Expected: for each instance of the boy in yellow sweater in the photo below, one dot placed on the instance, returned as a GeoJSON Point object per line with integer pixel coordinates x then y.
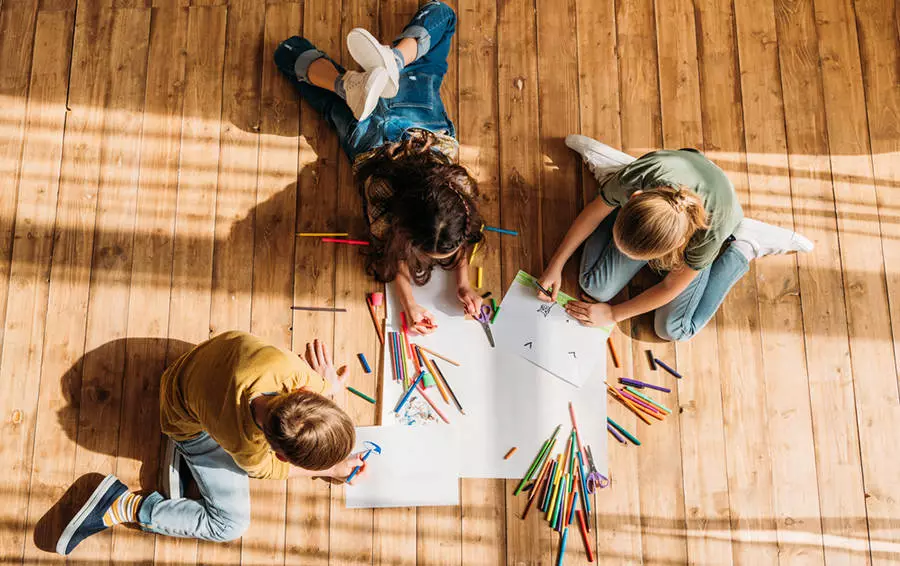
{"type": "Point", "coordinates": [234, 408]}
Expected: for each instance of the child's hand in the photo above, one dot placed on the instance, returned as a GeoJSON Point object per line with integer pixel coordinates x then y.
{"type": "Point", "coordinates": [319, 358]}
{"type": "Point", "coordinates": [471, 300]}
{"type": "Point", "coordinates": [420, 320]}
{"type": "Point", "coordinates": [345, 468]}
{"type": "Point", "coordinates": [598, 314]}
{"type": "Point", "coordinates": [551, 280]}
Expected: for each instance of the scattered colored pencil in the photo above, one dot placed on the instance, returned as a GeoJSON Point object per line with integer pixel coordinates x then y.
{"type": "Point", "coordinates": [615, 433]}
{"type": "Point", "coordinates": [612, 352]}
{"type": "Point", "coordinates": [349, 242]}
{"type": "Point", "coordinates": [642, 384]}
{"type": "Point", "coordinates": [562, 547]}
{"type": "Point", "coordinates": [501, 231]}
{"type": "Point", "coordinates": [359, 393]}
{"type": "Point", "coordinates": [364, 362]}
{"type": "Point", "coordinates": [494, 316]}
{"type": "Point", "coordinates": [440, 375]}
{"type": "Point", "coordinates": [479, 277]}
{"type": "Point", "coordinates": [612, 391]}
{"type": "Point", "coordinates": [378, 329]}
{"type": "Point", "coordinates": [584, 535]}
{"type": "Point", "coordinates": [624, 432]}
{"type": "Point", "coordinates": [435, 407]}
{"type": "Point", "coordinates": [534, 464]}
{"type": "Point", "coordinates": [536, 490]}
{"type": "Point", "coordinates": [656, 404]}
{"type": "Point", "coordinates": [409, 392]}
{"type": "Point", "coordinates": [319, 309]}
{"type": "Point", "coordinates": [435, 354]}
{"type": "Point", "coordinates": [511, 452]}
{"type": "Point", "coordinates": [434, 374]}
{"type": "Point", "coordinates": [665, 366]}
{"type": "Point", "coordinates": [575, 427]}
{"type": "Point", "coordinates": [485, 295]}
{"type": "Point", "coordinates": [643, 405]}
{"type": "Point", "coordinates": [322, 234]}
{"type": "Point", "coordinates": [651, 359]}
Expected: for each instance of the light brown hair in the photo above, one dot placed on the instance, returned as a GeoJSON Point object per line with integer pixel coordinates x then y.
{"type": "Point", "coordinates": [657, 224]}
{"type": "Point", "coordinates": [309, 430]}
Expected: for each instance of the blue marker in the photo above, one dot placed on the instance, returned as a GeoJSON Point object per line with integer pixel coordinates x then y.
{"type": "Point", "coordinates": [364, 362]}
{"type": "Point", "coordinates": [501, 231]}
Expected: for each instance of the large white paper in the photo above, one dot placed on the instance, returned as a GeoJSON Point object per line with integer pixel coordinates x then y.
{"type": "Point", "coordinates": [508, 401]}
{"type": "Point", "coordinates": [545, 335]}
{"type": "Point", "coordinates": [418, 466]}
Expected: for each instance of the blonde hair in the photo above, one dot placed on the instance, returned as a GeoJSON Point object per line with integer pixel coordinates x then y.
{"type": "Point", "coordinates": [657, 224]}
{"type": "Point", "coordinates": [309, 430]}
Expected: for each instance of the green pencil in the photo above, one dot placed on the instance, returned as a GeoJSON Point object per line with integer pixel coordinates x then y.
{"type": "Point", "coordinates": [540, 456]}
{"type": "Point", "coordinates": [496, 310]}
{"type": "Point", "coordinates": [662, 407]}
{"type": "Point", "coordinates": [621, 429]}
{"type": "Point", "coordinates": [361, 394]}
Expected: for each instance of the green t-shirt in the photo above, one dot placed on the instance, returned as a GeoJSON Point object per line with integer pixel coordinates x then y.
{"type": "Point", "coordinates": [690, 169]}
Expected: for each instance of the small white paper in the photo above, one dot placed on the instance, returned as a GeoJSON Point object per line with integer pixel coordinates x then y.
{"type": "Point", "coordinates": [544, 334]}
{"type": "Point", "coordinates": [417, 466]}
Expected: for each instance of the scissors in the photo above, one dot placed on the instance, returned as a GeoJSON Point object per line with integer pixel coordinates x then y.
{"type": "Point", "coordinates": [595, 479]}
{"type": "Point", "coordinates": [484, 317]}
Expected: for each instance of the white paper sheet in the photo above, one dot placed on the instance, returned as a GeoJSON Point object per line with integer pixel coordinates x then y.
{"type": "Point", "coordinates": [418, 466]}
{"type": "Point", "coordinates": [508, 401]}
{"type": "Point", "coordinates": [545, 335]}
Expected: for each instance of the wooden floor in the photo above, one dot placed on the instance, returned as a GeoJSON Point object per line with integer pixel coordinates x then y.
{"type": "Point", "coordinates": [155, 167]}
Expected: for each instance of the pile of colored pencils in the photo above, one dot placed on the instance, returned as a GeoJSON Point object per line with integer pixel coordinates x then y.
{"type": "Point", "coordinates": [560, 488]}
{"type": "Point", "coordinates": [406, 356]}
{"type": "Point", "coordinates": [639, 403]}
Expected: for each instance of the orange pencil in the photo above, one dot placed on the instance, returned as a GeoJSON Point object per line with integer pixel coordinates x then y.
{"type": "Point", "coordinates": [378, 330]}
{"type": "Point", "coordinates": [512, 451]}
{"type": "Point", "coordinates": [536, 489]}
{"type": "Point", "coordinates": [434, 374]}
{"type": "Point", "coordinates": [612, 351]}
{"type": "Point", "coordinates": [627, 403]}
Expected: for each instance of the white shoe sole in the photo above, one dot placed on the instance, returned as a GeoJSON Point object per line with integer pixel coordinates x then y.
{"type": "Point", "coordinates": [369, 53]}
{"type": "Point", "coordinates": [82, 514]}
{"type": "Point", "coordinates": [171, 472]}
{"type": "Point", "coordinates": [583, 144]}
{"type": "Point", "coordinates": [374, 86]}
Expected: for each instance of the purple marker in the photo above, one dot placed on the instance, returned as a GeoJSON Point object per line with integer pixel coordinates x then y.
{"type": "Point", "coordinates": [665, 366]}
{"type": "Point", "coordinates": [642, 384]}
{"type": "Point", "coordinates": [615, 433]}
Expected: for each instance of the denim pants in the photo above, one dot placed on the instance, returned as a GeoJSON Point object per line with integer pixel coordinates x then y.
{"type": "Point", "coordinates": [221, 515]}
{"type": "Point", "coordinates": [605, 271]}
{"type": "Point", "coordinates": [418, 103]}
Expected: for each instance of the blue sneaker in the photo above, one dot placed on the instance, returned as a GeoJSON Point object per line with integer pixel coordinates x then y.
{"type": "Point", "coordinates": [89, 519]}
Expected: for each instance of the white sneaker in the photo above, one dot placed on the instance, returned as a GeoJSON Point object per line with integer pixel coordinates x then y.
{"type": "Point", "coordinates": [363, 91]}
{"type": "Point", "coordinates": [600, 158]}
{"type": "Point", "coordinates": [172, 486]}
{"type": "Point", "coordinates": [766, 239]}
{"type": "Point", "coordinates": [370, 54]}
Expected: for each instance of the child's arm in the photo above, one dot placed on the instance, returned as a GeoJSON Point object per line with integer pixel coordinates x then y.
{"type": "Point", "coordinates": [419, 318]}
{"type": "Point", "coordinates": [339, 470]}
{"type": "Point", "coordinates": [471, 300]}
{"type": "Point", "coordinates": [664, 292]}
{"type": "Point", "coordinates": [591, 217]}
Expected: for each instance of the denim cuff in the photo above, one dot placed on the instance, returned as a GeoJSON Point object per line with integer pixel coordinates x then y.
{"type": "Point", "coordinates": [301, 65]}
{"type": "Point", "coordinates": [146, 509]}
{"type": "Point", "coordinates": [422, 37]}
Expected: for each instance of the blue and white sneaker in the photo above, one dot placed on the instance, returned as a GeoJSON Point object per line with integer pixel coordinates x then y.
{"type": "Point", "coordinates": [89, 519]}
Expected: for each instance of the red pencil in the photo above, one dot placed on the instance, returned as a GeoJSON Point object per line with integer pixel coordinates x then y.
{"type": "Point", "coordinates": [342, 241]}
{"type": "Point", "coordinates": [584, 535]}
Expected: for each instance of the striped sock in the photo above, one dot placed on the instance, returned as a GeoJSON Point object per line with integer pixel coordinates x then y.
{"type": "Point", "coordinates": [123, 510]}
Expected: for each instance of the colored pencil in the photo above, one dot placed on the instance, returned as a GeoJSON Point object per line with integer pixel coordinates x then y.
{"type": "Point", "coordinates": [435, 407]}
{"type": "Point", "coordinates": [646, 407]}
{"type": "Point", "coordinates": [584, 535]}
{"type": "Point", "coordinates": [364, 362]}
{"type": "Point", "coordinates": [532, 467]}
{"type": "Point", "coordinates": [493, 304]}
{"type": "Point", "coordinates": [548, 488]}
{"type": "Point", "coordinates": [575, 427]}
{"type": "Point", "coordinates": [510, 453]}
{"type": "Point", "coordinates": [542, 290]}
{"type": "Point", "coordinates": [485, 295]}
{"type": "Point", "coordinates": [319, 309]}
{"type": "Point", "coordinates": [440, 374]}
{"type": "Point", "coordinates": [651, 401]}
{"type": "Point", "coordinates": [409, 392]}
{"type": "Point", "coordinates": [571, 514]}
{"type": "Point", "coordinates": [562, 547]}
{"type": "Point", "coordinates": [350, 242]}
{"type": "Point", "coordinates": [583, 481]}
{"type": "Point", "coordinates": [494, 316]}
{"type": "Point", "coordinates": [501, 231]}
{"type": "Point", "coordinates": [621, 429]}
{"type": "Point", "coordinates": [612, 391]}
{"type": "Point", "coordinates": [665, 366]}
{"type": "Point", "coordinates": [378, 329]}
{"type": "Point", "coordinates": [651, 359]}
{"type": "Point", "coordinates": [479, 277]}
{"type": "Point", "coordinates": [615, 433]}
{"type": "Point", "coordinates": [612, 352]}
{"type": "Point", "coordinates": [536, 490]}
{"type": "Point", "coordinates": [434, 375]}
{"type": "Point", "coordinates": [322, 234]}
{"type": "Point", "coordinates": [557, 502]}
{"type": "Point", "coordinates": [361, 394]}
{"type": "Point", "coordinates": [643, 384]}
{"type": "Point", "coordinates": [436, 355]}
{"type": "Point", "coordinates": [393, 351]}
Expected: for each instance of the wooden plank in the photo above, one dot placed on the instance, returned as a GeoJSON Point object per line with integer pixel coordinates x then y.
{"type": "Point", "coordinates": [17, 28]}
{"type": "Point", "coordinates": [351, 530]}
{"type": "Point", "coordinates": [238, 155]}
{"type": "Point", "coordinates": [192, 253]}
{"type": "Point", "coordinates": [483, 502]}
{"type": "Point", "coordinates": [309, 501]}
{"type": "Point", "coordinates": [865, 289]}
{"type": "Point", "coordinates": [24, 326]}
{"type": "Point", "coordinates": [700, 396]}
{"type": "Point", "coordinates": [450, 85]}
{"type": "Point", "coordinates": [520, 206]}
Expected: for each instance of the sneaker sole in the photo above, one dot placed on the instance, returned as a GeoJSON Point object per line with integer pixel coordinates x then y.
{"type": "Point", "coordinates": [171, 473]}
{"type": "Point", "coordinates": [366, 50]}
{"type": "Point", "coordinates": [82, 514]}
{"type": "Point", "coordinates": [374, 88]}
{"type": "Point", "coordinates": [579, 144]}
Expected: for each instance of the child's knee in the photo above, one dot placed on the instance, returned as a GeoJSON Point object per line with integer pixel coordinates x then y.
{"type": "Point", "coordinates": [288, 50]}
{"type": "Point", "coordinates": [599, 289]}
{"type": "Point", "coordinates": [229, 528]}
{"type": "Point", "coordinates": [671, 329]}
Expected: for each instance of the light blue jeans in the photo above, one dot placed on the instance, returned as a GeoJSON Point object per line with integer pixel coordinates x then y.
{"type": "Point", "coordinates": [221, 515]}
{"type": "Point", "coordinates": [605, 271]}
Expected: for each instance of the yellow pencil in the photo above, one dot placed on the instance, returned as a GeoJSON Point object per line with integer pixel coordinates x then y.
{"type": "Point", "coordinates": [322, 234]}
{"type": "Point", "coordinates": [479, 278]}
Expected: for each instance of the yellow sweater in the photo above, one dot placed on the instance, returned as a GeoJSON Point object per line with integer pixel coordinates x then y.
{"type": "Point", "coordinates": [210, 389]}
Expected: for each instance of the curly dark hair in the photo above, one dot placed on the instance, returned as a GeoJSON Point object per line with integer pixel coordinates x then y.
{"type": "Point", "coordinates": [431, 208]}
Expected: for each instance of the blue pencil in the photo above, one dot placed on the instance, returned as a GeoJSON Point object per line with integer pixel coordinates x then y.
{"type": "Point", "coordinates": [409, 392]}
{"type": "Point", "coordinates": [562, 547]}
{"type": "Point", "coordinates": [663, 365]}
{"type": "Point", "coordinates": [501, 231]}
{"type": "Point", "coordinates": [364, 362]}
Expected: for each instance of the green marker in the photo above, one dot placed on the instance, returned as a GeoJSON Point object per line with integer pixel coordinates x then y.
{"type": "Point", "coordinates": [621, 429]}
{"type": "Point", "coordinates": [633, 391]}
{"type": "Point", "coordinates": [361, 394]}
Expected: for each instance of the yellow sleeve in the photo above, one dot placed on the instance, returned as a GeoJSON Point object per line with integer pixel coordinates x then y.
{"type": "Point", "coordinates": [270, 468]}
